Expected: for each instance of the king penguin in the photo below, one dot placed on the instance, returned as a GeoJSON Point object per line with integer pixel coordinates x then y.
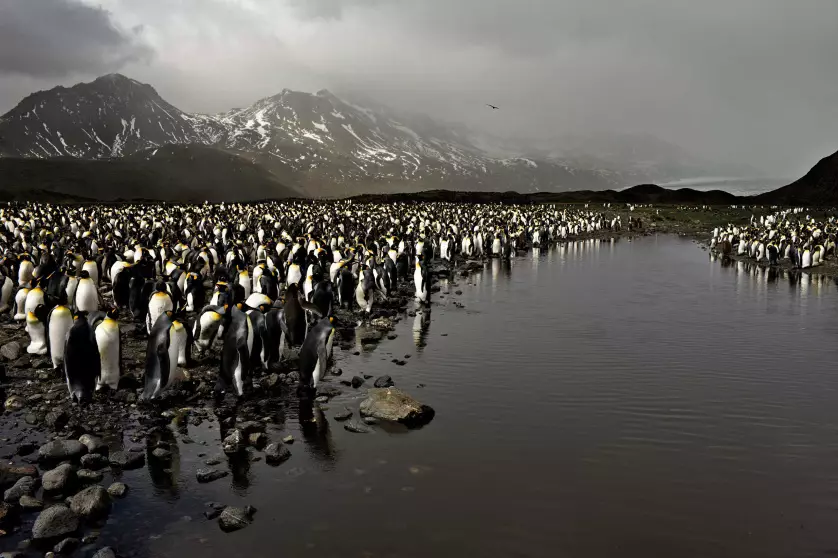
{"type": "Point", "coordinates": [161, 368]}
{"type": "Point", "coordinates": [159, 303]}
{"type": "Point", "coordinates": [87, 294]}
{"type": "Point", "coordinates": [81, 359]}
{"type": "Point", "coordinates": [36, 330]}
{"type": "Point", "coordinates": [236, 351]}
{"type": "Point", "coordinates": [59, 322]}
{"type": "Point", "coordinates": [315, 352]}
{"type": "Point", "coordinates": [106, 332]}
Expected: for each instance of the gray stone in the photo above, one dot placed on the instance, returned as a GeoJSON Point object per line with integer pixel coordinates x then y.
{"type": "Point", "coordinates": [94, 461]}
{"type": "Point", "coordinates": [60, 478]}
{"type": "Point", "coordinates": [30, 503]}
{"type": "Point", "coordinates": [210, 475]}
{"type": "Point", "coordinates": [276, 454]}
{"type": "Point", "coordinates": [10, 351]}
{"type": "Point", "coordinates": [106, 552]}
{"type": "Point", "coordinates": [234, 443]}
{"type": "Point", "coordinates": [118, 490]}
{"type": "Point", "coordinates": [15, 403]}
{"type": "Point", "coordinates": [288, 439]}
{"type": "Point", "coordinates": [56, 521]}
{"type": "Point", "coordinates": [392, 404]}
{"type": "Point", "coordinates": [356, 427]}
{"type": "Point", "coordinates": [341, 416]}
{"type": "Point", "coordinates": [127, 460]}
{"type": "Point", "coordinates": [24, 486]}
{"type": "Point", "coordinates": [60, 450]}
{"type": "Point", "coordinates": [57, 419]}
{"type": "Point", "coordinates": [94, 444]}
{"type": "Point", "coordinates": [233, 519]}
{"type": "Point", "coordinates": [91, 502]}
{"type": "Point", "coordinates": [67, 546]}
{"type": "Point", "coordinates": [161, 453]}
{"type": "Point", "coordinates": [327, 390]}
{"type": "Point", "coordinates": [10, 474]}
{"type": "Point", "coordinates": [322, 399]}
{"type": "Point", "coordinates": [357, 381]}
{"type": "Point", "coordinates": [258, 440]}
{"type": "Point", "coordinates": [383, 382]}
{"type": "Point", "coordinates": [87, 476]}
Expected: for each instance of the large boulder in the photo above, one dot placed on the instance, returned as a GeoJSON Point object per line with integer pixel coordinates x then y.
{"type": "Point", "coordinates": [23, 487]}
{"type": "Point", "coordinates": [10, 351]}
{"type": "Point", "coordinates": [54, 522]}
{"type": "Point", "coordinates": [395, 405]}
{"type": "Point", "coordinates": [91, 502]}
{"type": "Point", "coordinates": [60, 450]}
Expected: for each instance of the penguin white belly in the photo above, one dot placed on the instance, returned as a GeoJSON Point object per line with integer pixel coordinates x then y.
{"type": "Point", "coordinates": [20, 304]}
{"type": "Point", "coordinates": [87, 297]}
{"type": "Point", "coordinates": [6, 294]}
{"type": "Point", "coordinates": [107, 340]}
{"type": "Point", "coordinates": [72, 287]}
{"type": "Point", "coordinates": [256, 299]}
{"type": "Point", "coordinates": [307, 287]}
{"type": "Point", "coordinates": [257, 283]}
{"type": "Point", "coordinates": [37, 336]}
{"type": "Point", "coordinates": [34, 298]}
{"type": "Point", "coordinates": [294, 274]}
{"type": "Point", "coordinates": [214, 299]}
{"type": "Point", "coordinates": [91, 268]}
{"type": "Point", "coordinates": [60, 322]}
{"type": "Point", "coordinates": [190, 305]}
{"type": "Point", "coordinates": [24, 273]}
{"type": "Point", "coordinates": [177, 338]}
{"type": "Point", "coordinates": [807, 259]}
{"type": "Point", "coordinates": [421, 294]}
{"type": "Point", "coordinates": [181, 282]}
{"type": "Point", "coordinates": [159, 303]}
{"type": "Point", "coordinates": [244, 281]}
{"type": "Point", "coordinates": [116, 269]}
{"type": "Point", "coordinates": [361, 299]}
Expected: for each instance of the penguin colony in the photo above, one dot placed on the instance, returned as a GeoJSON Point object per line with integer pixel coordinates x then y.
{"type": "Point", "coordinates": [249, 282]}
{"type": "Point", "coordinates": [785, 237]}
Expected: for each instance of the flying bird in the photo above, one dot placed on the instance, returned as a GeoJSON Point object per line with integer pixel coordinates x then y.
{"type": "Point", "coordinates": [492, 106]}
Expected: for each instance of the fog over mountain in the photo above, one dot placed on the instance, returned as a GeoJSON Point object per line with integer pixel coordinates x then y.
{"type": "Point", "coordinates": [750, 82]}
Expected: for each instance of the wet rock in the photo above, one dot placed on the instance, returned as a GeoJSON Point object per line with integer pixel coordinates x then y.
{"type": "Point", "coordinates": [41, 363]}
{"type": "Point", "coordinates": [346, 382]}
{"type": "Point", "coordinates": [392, 336]}
{"type": "Point", "coordinates": [60, 450]}
{"type": "Point", "coordinates": [30, 503]}
{"type": "Point", "coordinates": [258, 440]}
{"type": "Point", "coordinates": [57, 419]}
{"type": "Point", "coordinates": [234, 443]}
{"type": "Point", "coordinates": [24, 486]}
{"type": "Point", "coordinates": [357, 381]}
{"type": "Point", "coordinates": [341, 416]}
{"type": "Point", "coordinates": [212, 514]}
{"type": "Point", "coordinates": [327, 390]}
{"type": "Point", "coordinates": [213, 461]}
{"type": "Point", "coordinates": [288, 439]}
{"type": "Point", "coordinates": [383, 382]}
{"type": "Point", "coordinates": [33, 418]}
{"type": "Point", "coordinates": [337, 372]}
{"type": "Point", "coordinates": [91, 502]}
{"type": "Point", "coordinates": [127, 460]}
{"type": "Point", "coordinates": [392, 404]}
{"type": "Point", "coordinates": [322, 399]}
{"type": "Point", "coordinates": [10, 351]}
{"type": "Point", "coordinates": [26, 448]}
{"type": "Point", "coordinates": [8, 516]}
{"type": "Point", "coordinates": [67, 546]}
{"type": "Point", "coordinates": [271, 381]}
{"type": "Point", "coordinates": [118, 490]}
{"type": "Point", "coordinates": [276, 454]}
{"type": "Point", "coordinates": [94, 444]}
{"type": "Point", "coordinates": [106, 552]}
{"type": "Point", "coordinates": [10, 474]}
{"type": "Point", "coordinates": [56, 521]}
{"type": "Point", "coordinates": [371, 420]}
{"type": "Point", "coordinates": [94, 461]}
{"type": "Point", "coordinates": [87, 476]}
{"type": "Point", "coordinates": [251, 426]}
{"type": "Point", "coordinates": [161, 453]}
{"type": "Point", "coordinates": [233, 519]}
{"type": "Point", "coordinates": [210, 475]}
{"type": "Point", "coordinates": [356, 427]}
{"type": "Point", "coordinates": [60, 478]}
{"type": "Point", "coordinates": [24, 361]}
{"type": "Point", "coordinates": [458, 292]}
{"type": "Point", "coordinates": [15, 403]}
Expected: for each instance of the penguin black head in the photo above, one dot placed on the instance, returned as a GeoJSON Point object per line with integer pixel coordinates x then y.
{"type": "Point", "coordinates": [112, 313]}
{"type": "Point", "coordinates": [84, 274]}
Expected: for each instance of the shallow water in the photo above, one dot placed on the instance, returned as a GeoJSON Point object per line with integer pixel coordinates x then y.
{"type": "Point", "coordinates": [598, 399]}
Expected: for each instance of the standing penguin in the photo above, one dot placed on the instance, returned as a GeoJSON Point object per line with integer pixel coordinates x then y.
{"type": "Point", "coordinates": [292, 320]}
{"type": "Point", "coordinates": [87, 294]}
{"type": "Point", "coordinates": [6, 288]}
{"type": "Point", "coordinates": [36, 329]}
{"type": "Point", "coordinates": [315, 352]}
{"type": "Point", "coordinates": [421, 278]}
{"type": "Point", "coordinates": [207, 327]}
{"type": "Point", "coordinates": [160, 303]}
{"type": "Point", "coordinates": [346, 288]}
{"type": "Point", "coordinates": [20, 304]}
{"type": "Point", "coordinates": [106, 331]}
{"type": "Point", "coordinates": [59, 322]}
{"type": "Point", "coordinates": [161, 367]}
{"type": "Point", "coordinates": [236, 351]}
{"type": "Point", "coordinates": [81, 359]}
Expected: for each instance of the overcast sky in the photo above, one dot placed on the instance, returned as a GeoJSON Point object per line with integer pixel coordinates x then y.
{"type": "Point", "coordinates": [748, 80]}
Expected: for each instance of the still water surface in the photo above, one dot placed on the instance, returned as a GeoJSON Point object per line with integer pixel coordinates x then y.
{"type": "Point", "coordinates": [627, 398]}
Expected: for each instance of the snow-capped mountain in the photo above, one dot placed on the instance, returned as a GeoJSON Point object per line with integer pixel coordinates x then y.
{"type": "Point", "coordinates": [317, 142]}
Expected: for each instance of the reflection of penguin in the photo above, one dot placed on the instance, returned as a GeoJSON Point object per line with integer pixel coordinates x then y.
{"type": "Point", "coordinates": [81, 359]}
{"type": "Point", "coordinates": [421, 325]}
{"type": "Point", "coordinates": [315, 429]}
{"type": "Point", "coordinates": [161, 368]}
{"type": "Point", "coordinates": [314, 354]}
{"type": "Point", "coordinates": [106, 332]}
{"type": "Point", "coordinates": [207, 326]}
{"type": "Point", "coordinates": [59, 322]}
{"type": "Point", "coordinates": [235, 353]}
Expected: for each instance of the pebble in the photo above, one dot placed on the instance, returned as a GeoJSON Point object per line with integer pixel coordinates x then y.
{"type": "Point", "coordinates": [233, 519]}
{"type": "Point", "coordinates": [118, 490]}
{"type": "Point", "coordinates": [127, 460]}
{"type": "Point", "coordinates": [341, 416]}
{"type": "Point", "coordinates": [356, 427]}
{"type": "Point", "coordinates": [88, 476]}
{"type": "Point", "coordinates": [210, 475]}
{"type": "Point", "coordinates": [30, 503]}
{"type": "Point", "coordinates": [67, 546]}
{"type": "Point", "coordinates": [276, 454]}
{"type": "Point", "coordinates": [288, 439]}
{"type": "Point", "coordinates": [161, 453]}
{"type": "Point", "coordinates": [357, 381]}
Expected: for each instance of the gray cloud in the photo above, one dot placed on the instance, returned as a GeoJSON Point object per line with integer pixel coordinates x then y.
{"type": "Point", "coordinates": [55, 38]}
{"type": "Point", "coordinates": [754, 81]}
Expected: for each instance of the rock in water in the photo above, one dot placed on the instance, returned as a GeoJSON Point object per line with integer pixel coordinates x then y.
{"type": "Point", "coordinates": [94, 461]}
{"type": "Point", "coordinates": [60, 450]}
{"type": "Point", "coordinates": [118, 490]}
{"type": "Point", "coordinates": [384, 382]}
{"type": "Point", "coordinates": [91, 502]}
{"type": "Point", "coordinates": [23, 487]}
{"type": "Point", "coordinates": [356, 427]}
{"type": "Point", "coordinates": [10, 351]}
{"type": "Point", "coordinates": [127, 460]}
{"type": "Point", "coordinates": [56, 521]}
{"type": "Point", "coordinates": [106, 552]}
{"type": "Point", "coordinates": [67, 546]}
{"type": "Point", "coordinates": [258, 440]}
{"type": "Point", "coordinates": [276, 454]}
{"type": "Point", "coordinates": [341, 416]}
{"type": "Point", "coordinates": [10, 474]}
{"type": "Point", "coordinates": [234, 443]}
{"type": "Point", "coordinates": [209, 475]}
{"type": "Point", "coordinates": [356, 381]}
{"type": "Point", "coordinates": [233, 519]}
{"type": "Point", "coordinates": [326, 390]}
{"type": "Point", "coordinates": [30, 503]}
{"type": "Point", "coordinates": [94, 444]}
{"type": "Point", "coordinates": [87, 476]}
{"type": "Point", "coordinates": [60, 478]}
{"type": "Point", "coordinates": [395, 405]}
